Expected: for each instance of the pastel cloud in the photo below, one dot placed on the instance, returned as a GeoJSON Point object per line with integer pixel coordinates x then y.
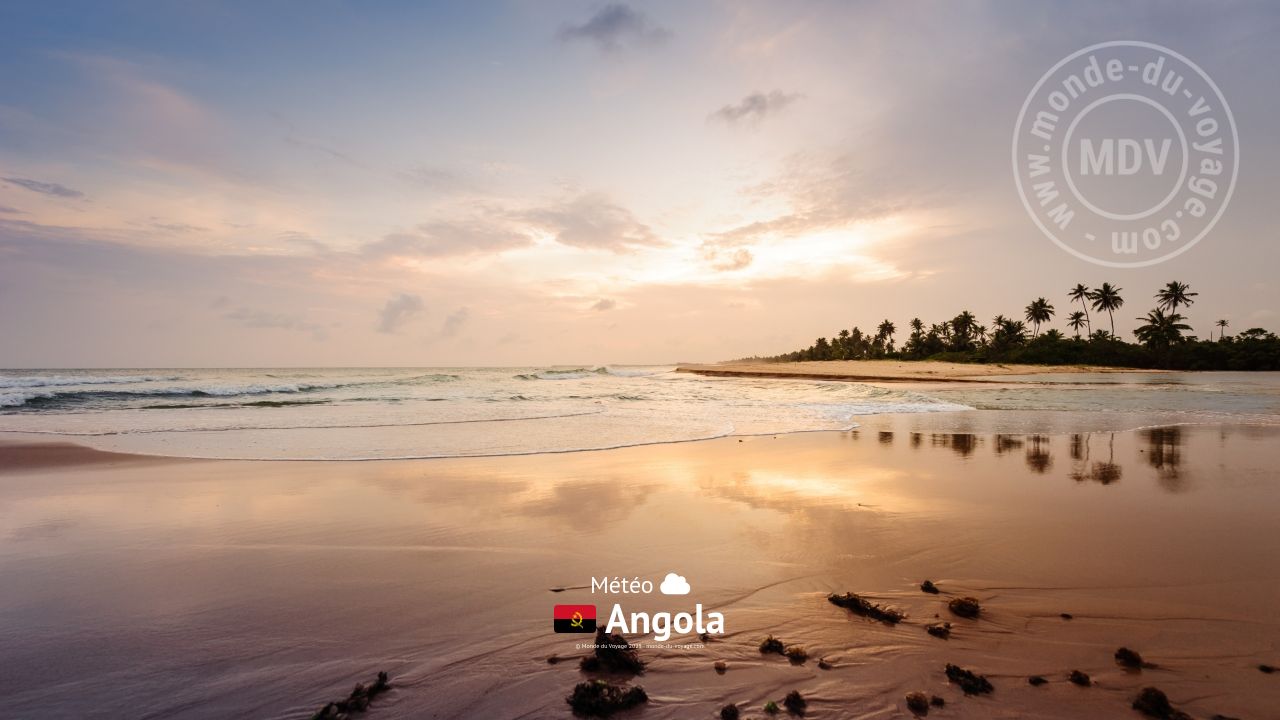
{"type": "Point", "coordinates": [613, 27]}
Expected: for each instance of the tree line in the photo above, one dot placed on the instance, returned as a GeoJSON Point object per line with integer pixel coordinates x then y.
{"type": "Point", "coordinates": [1164, 338]}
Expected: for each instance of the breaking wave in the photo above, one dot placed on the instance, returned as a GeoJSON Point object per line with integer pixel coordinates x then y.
{"type": "Point", "coordinates": [586, 372]}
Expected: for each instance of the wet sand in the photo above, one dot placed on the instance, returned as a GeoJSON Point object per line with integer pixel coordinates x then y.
{"type": "Point", "coordinates": [890, 370]}
{"type": "Point", "coordinates": [200, 589]}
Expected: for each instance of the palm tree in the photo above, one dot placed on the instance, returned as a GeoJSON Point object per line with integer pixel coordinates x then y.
{"type": "Point", "coordinates": [885, 332]}
{"type": "Point", "coordinates": [1039, 311]}
{"type": "Point", "coordinates": [1174, 294]}
{"type": "Point", "coordinates": [963, 326]}
{"type": "Point", "coordinates": [1222, 329]}
{"type": "Point", "coordinates": [1077, 320]}
{"type": "Point", "coordinates": [1008, 332]}
{"type": "Point", "coordinates": [1107, 298]}
{"type": "Point", "coordinates": [1080, 294]}
{"type": "Point", "coordinates": [1160, 330]}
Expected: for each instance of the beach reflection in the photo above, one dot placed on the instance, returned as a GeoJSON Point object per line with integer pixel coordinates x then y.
{"type": "Point", "coordinates": [963, 444]}
{"type": "Point", "coordinates": [323, 567]}
{"type": "Point", "coordinates": [1164, 453]}
{"type": "Point", "coordinates": [1093, 455]}
{"type": "Point", "coordinates": [1038, 457]}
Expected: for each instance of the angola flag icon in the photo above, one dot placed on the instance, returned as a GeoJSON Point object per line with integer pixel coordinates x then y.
{"type": "Point", "coordinates": [575, 618]}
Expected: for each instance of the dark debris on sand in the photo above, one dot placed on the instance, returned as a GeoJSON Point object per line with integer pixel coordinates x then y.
{"type": "Point", "coordinates": [600, 698]}
{"type": "Point", "coordinates": [969, 682]}
{"type": "Point", "coordinates": [929, 587]}
{"type": "Point", "coordinates": [859, 605]}
{"type": "Point", "coordinates": [918, 703]}
{"type": "Point", "coordinates": [773, 645]}
{"type": "Point", "coordinates": [1037, 680]}
{"type": "Point", "coordinates": [1078, 678]}
{"type": "Point", "coordinates": [795, 703]}
{"type": "Point", "coordinates": [965, 607]}
{"type": "Point", "coordinates": [1154, 703]}
{"type": "Point", "coordinates": [357, 702]}
{"type": "Point", "coordinates": [1268, 669]}
{"type": "Point", "coordinates": [729, 712]}
{"type": "Point", "coordinates": [1131, 659]}
{"type": "Point", "coordinates": [939, 629]}
{"type": "Point", "coordinates": [796, 654]}
{"type": "Point", "coordinates": [613, 654]}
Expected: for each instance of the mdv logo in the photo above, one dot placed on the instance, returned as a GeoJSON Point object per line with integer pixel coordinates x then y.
{"type": "Point", "coordinates": [1123, 156]}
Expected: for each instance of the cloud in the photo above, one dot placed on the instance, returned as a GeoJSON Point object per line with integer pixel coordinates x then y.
{"type": "Point", "coordinates": [448, 238]}
{"type": "Point", "coordinates": [755, 107]}
{"type": "Point", "coordinates": [176, 227]}
{"type": "Point", "coordinates": [824, 195]}
{"type": "Point", "coordinates": [45, 188]}
{"type": "Point", "coordinates": [727, 260]}
{"type": "Point", "coordinates": [604, 304]}
{"type": "Point", "coordinates": [593, 222]}
{"type": "Point", "coordinates": [454, 323]}
{"type": "Point", "coordinates": [400, 309]}
{"type": "Point", "coordinates": [255, 318]}
{"type": "Point", "coordinates": [146, 121]}
{"type": "Point", "coordinates": [10, 210]}
{"type": "Point", "coordinates": [613, 27]}
{"type": "Point", "coordinates": [674, 584]}
{"type": "Point", "coordinates": [302, 241]}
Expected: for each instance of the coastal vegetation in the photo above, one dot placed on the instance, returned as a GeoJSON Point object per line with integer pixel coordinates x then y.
{"type": "Point", "coordinates": [1163, 340]}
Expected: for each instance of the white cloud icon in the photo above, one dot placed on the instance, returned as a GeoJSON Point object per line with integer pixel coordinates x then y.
{"type": "Point", "coordinates": [674, 584]}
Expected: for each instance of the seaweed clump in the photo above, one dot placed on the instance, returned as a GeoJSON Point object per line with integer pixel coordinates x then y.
{"type": "Point", "coordinates": [918, 703]}
{"type": "Point", "coordinates": [1154, 703]}
{"type": "Point", "coordinates": [600, 698]}
{"type": "Point", "coordinates": [773, 645]}
{"type": "Point", "coordinates": [1131, 659]}
{"type": "Point", "coordinates": [729, 712]}
{"type": "Point", "coordinates": [613, 654]}
{"type": "Point", "coordinates": [969, 682]}
{"type": "Point", "coordinates": [1037, 680]}
{"type": "Point", "coordinates": [1078, 678]}
{"type": "Point", "coordinates": [795, 703]}
{"type": "Point", "coordinates": [929, 587]}
{"type": "Point", "coordinates": [357, 701]}
{"type": "Point", "coordinates": [859, 605]}
{"type": "Point", "coordinates": [965, 607]}
{"type": "Point", "coordinates": [939, 629]}
{"type": "Point", "coordinates": [796, 654]}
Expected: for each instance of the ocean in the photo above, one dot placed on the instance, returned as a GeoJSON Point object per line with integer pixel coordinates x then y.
{"type": "Point", "coordinates": [375, 413]}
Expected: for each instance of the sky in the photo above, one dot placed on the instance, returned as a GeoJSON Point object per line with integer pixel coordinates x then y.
{"type": "Point", "coordinates": [247, 184]}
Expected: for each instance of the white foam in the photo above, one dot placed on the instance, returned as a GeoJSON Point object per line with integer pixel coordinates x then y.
{"type": "Point", "coordinates": [65, 380]}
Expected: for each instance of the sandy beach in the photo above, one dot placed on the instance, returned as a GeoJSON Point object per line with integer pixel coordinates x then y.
{"type": "Point", "coordinates": [891, 370]}
{"type": "Point", "coordinates": [183, 589]}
